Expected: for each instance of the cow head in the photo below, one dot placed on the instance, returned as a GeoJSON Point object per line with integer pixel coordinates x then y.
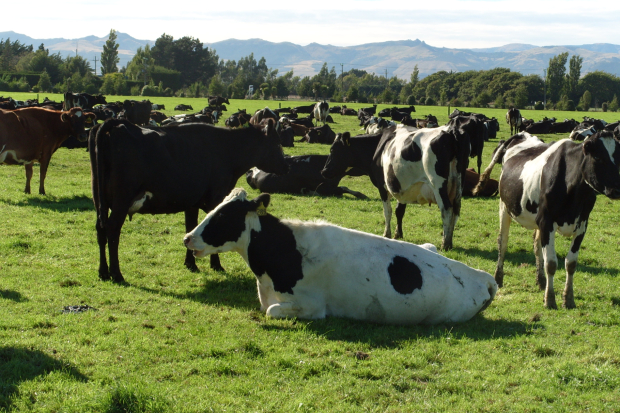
{"type": "Point", "coordinates": [600, 165]}
{"type": "Point", "coordinates": [271, 158]}
{"type": "Point", "coordinates": [77, 119]}
{"type": "Point", "coordinates": [229, 225]}
{"type": "Point", "coordinates": [340, 157]}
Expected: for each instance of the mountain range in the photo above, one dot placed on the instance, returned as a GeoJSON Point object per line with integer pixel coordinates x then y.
{"type": "Point", "coordinates": [394, 58]}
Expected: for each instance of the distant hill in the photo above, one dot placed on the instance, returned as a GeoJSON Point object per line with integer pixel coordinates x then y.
{"type": "Point", "coordinates": [397, 57]}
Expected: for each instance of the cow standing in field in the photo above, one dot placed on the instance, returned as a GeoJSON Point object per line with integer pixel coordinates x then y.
{"type": "Point", "coordinates": [549, 188]}
{"type": "Point", "coordinates": [513, 118]}
{"type": "Point", "coordinates": [167, 170]}
{"type": "Point", "coordinates": [33, 134]}
{"type": "Point", "coordinates": [415, 166]}
{"type": "Point", "coordinates": [321, 110]}
{"type": "Point", "coordinates": [314, 269]}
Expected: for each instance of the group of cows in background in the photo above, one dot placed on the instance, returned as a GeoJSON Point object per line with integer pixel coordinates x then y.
{"type": "Point", "coordinates": [314, 269]}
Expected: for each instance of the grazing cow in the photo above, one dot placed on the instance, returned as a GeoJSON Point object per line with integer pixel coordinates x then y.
{"type": "Point", "coordinates": [323, 134]}
{"type": "Point", "coordinates": [183, 107]}
{"type": "Point", "coordinates": [315, 269]}
{"type": "Point", "coordinates": [413, 165]}
{"type": "Point", "coordinates": [549, 188]}
{"type": "Point", "coordinates": [166, 170]}
{"type": "Point", "coordinates": [31, 135]}
{"type": "Point", "coordinates": [138, 113]}
{"type": "Point", "coordinates": [477, 131]}
{"type": "Point", "coordinates": [303, 109]}
{"type": "Point", "coordinates": [492, 127]}
{"type": "Point", "coordinates": [217, 101]}
{"type": "Point", "coordinates": [513, 117]}
{"type": "Point", "coordinates": [321, 109]}
{"type": "Point", "coordinates": [82, 100]}
{"type": "Point", "coordinates": [303, 177]}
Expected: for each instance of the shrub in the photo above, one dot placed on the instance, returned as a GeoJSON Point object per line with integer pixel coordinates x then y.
{"type": "Point", "coordinates": [613, 105]}
{"type": "Point", "coordinates": [605, 106]}
{"type": "Point", "coordinates": [135, 90]}
{"type": "Point", "coordinates": [411, 100]}
{"type": "Point", "coordinates": [429, 101]}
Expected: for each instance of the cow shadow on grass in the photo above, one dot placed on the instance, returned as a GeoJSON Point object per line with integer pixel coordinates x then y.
{"type": "Point", "coordinates": [12, 295]}
{"type": "Point", "coordinates": [522, 258]}
{"type": "Point", "coordinates": [391, 336]}
{"type": "Point", "coordinates": [54, 203]}
{"type": "Point", "coordinates": [18, 365]}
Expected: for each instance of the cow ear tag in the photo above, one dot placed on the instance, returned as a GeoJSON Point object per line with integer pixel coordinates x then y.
{"type": "Point", "coordinates": [261, 210]}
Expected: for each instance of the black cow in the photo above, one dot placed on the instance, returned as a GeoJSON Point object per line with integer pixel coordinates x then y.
{"type": "Point", "coordinates": [492, 127]}
{"type": "Point", "coordinates": [138, 113]}
{"type": "Point", "coordinates": [304, 177]}
{"type": "Point", "coordinates": [183, 107]}
{"type": "Point", "coordinates": [303, 109]}
{"type": "Point", "coordinates": [167, 170]}
{"type": "Point", "coordinates": [513, 118]}
{"type": "Point", "coordinates": [217, 101]}
{"type": "Point", "coordinates": [158, 106]}
{"type": "Point", "coordinates": [323, 134]}
{"type": "Point", "coordinates": [82, 100]}
{"type": "Point", "coordinates": [549, 188]}
{"type": "Point", "coordinates": [542, 127]}
{"type": "Point", "coordinates": [563, 127]}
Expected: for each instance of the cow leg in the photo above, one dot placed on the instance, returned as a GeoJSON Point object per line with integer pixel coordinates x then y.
{"type": "Point", "coordinates": [356, 194]}
{"type": "Point", "coordinates": [387, 214]}
{"type": "Point", "coordinates": [102, 240]}
{"type": "Point", "coordinates": [400, 213]}
{"type": "Point", "coordinates": [551, 265]}
{"type": "Point", "coordinates": [113, 230]}
{"type": "Point", "coordinates": [28, 177]}
{"type": "Point", "coordinates": [290, 309]}
{"type": "Point", "coordinates": [541, 280]}
{"type": "Point", "coordinates": [502, 242]}
{"type": "Point", "coordinates": [571, 264]}
{"type": "Point", "coordinates": [44, 162]}
{"type": "Point", "coordinates": [191, 222]}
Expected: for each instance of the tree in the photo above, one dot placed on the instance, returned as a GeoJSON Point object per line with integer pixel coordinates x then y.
{"type": "Point", "coordinates": [45, 83]}
{"type": "Point", "coordinates": [556, 76]}
{"type": "Point", "coordinates": [109, 56]}
{"type": "Point", "coordinates": [572, 79]}
{"type": "Point", "coordinates": [415, 76]}
{"type": "Point", "coordinates": [142, 62]}
{"type": "Point", "coordinates": [216, 87]}
{"type": "Point", "coordinates": [613, 105]}
{"type": "Point", "coordinates": [353, 94]}
{"type": "Point", "coordinates": [586, 101]}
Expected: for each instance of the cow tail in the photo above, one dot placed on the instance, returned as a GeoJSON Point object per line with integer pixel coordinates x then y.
{"type": "Point", "coordinates": [484, 177]}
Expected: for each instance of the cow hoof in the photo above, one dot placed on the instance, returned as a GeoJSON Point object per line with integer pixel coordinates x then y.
{"type": "Point", "coordinates": [398, 235]}
{"type": "Point", "coordinates": [118, 279]}
{"type": "Point", "coordinates": [104, 276]}
{"type": "Point", "coordinates": [218, 268]}
{"type": "Point", "coordinates": [541, 282]}
{"type": "Point", "coordinates": [550, 304]}
{"type": "Point", "coordinates": [569, 301]}
{"type": "Point", "coordinates": [192, 267]}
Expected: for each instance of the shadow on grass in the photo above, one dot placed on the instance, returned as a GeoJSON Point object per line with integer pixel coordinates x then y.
{"type": "Point", "coordinates": [520, 257]}
{"type": "Point", "coordinates": [18, 364]}
{"type": "Point", "coordinates": [390, 336]}
{"type": "Point", "coordinates": [12, 295]}
{"type": "Point", "coordinates": [54, 203]}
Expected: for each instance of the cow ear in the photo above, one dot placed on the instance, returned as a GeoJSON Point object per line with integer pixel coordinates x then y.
{"type": "Point", "coordinates": [587, 147]}
{"type": "Point", "coordinates": [64, 117]}
{"type": "Point", "coordinates": [346, 138]}
{"type": "Point", "coordinates": [260, 204]}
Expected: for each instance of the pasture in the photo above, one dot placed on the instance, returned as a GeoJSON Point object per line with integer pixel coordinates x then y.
{"type": "Point", "coordinates": [170, 340]}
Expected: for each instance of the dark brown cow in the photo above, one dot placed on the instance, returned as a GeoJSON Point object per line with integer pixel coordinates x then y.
{"type": "Point", "coordinates": [138, 113]}
{"type": "Point", "coordinates": [33, 134]}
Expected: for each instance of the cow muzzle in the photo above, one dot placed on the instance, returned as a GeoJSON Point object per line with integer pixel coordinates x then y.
{"type": "Point", "coordinates": [612, 193]}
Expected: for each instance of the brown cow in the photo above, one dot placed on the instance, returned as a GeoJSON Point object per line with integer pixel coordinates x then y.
{"type": "Point", "coordinates": [33, 134]}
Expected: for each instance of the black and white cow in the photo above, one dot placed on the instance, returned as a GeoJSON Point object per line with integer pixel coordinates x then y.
{"type": "Point", "coordinates": [315, 269]}
{"type": "Point", "coordinates": [321, 110]}
{"type": "Point", "coordinates": [415, 166]}
{"type": "Point", "coordinates": [581, 132]}
{"type": "Point", "coordinates": [553, 187]}
{"type": "Point", "coordinates": [514, 119]}
{"type": "Point", "coordinates": [303, 177]}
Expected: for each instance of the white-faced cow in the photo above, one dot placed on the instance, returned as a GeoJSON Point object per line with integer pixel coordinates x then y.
{"type": "Point", "coordinates": [167, 170]}
{"type": "Point", "coordinates": [415, 166]}
{"type": "Point", "coordinates": [321, 110]}
{"type": "Point", "coordinates": [552, 188]}
{"type": "Point", "coordinates": [514, 119]}
{"type": "Point", "coordinates": [314, 269]}
{"type": "Point", "coordinates": [33, 134]}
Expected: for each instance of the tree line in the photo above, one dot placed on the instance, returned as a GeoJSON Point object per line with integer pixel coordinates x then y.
{"type": "Point", "coordinates": [184, 67]}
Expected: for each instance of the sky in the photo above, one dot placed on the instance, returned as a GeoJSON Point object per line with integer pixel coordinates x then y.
{"type": "Point", "coordinates": [445, 23]}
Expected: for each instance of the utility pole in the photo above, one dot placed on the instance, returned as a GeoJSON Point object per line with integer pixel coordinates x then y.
{"type": "Point", "coordinates": [95, 59]}
{"type": "Point", "coordinates": [342, 77]}
{"type": "Point", "coordinates": [144, 70]}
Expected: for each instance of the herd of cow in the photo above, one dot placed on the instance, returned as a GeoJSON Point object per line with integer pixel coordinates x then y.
{"type": "Point", "coordinates": [315, 269]}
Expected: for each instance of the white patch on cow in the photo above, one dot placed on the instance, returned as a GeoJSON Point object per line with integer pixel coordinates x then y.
{"type": "Point", "coordinates": [12, 155]}
{"type": "Point", "coordinates": [255, 172]}
{"type": "Point", "coordinates": [138, 204]}
{"type": "Point", "coordinates": [78, 114]}
{"type": "Point", "coordinates": [306, 159]}
{"type": "Point", "coordinates": [610, 145]}
{"type": "Point", "coordinates": [529, 142]}
{"type": "Point", "coordinates": [531, 176]}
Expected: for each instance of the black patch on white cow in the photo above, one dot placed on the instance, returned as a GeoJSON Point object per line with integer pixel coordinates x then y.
{"type": "Point", "coordinates": [392, 182]}
{"type": "Point", "coordinates": [531, 206]}
{"type": "Point", "coordinates": [411, 151]}
{"type": "Point", "coordinates": [273, 250]}
{"type": "Point", "coordinates": [405, 276]}
{"type": "Point", "coordinates": [222, 228]}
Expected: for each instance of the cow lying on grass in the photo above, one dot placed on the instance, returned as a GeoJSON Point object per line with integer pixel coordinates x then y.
{"type": "Point", "coordinates": [315, 269]}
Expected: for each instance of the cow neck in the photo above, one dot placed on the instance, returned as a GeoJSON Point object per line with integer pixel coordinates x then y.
{"type": "Point", "coordinates": [575, 177]}
{"type": "Point", "coordinates": [61, 130]}
{"type": "Point", "coordinates": [253, 150]}
{"type": "Point", "coordinates": [363, 149]}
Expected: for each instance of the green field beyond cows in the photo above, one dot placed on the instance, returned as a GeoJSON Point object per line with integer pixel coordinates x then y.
{"type": "Point", "coordinates": [170, 340]}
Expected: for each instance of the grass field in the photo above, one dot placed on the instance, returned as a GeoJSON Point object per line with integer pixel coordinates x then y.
{"type": "Point", "coordinates": [174, 341]}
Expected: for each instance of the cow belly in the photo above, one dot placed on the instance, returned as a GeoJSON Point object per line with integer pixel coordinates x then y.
{"type": "Point", "coordinates": [10, 157]}
{"type": "Point", "coordinates": [418, 193]}
{"type": "Point", "coordinates": [139, 201]}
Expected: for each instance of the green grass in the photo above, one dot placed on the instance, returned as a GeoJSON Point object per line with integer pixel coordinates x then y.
{"type": "Point", "coordinates": [172, 341]}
